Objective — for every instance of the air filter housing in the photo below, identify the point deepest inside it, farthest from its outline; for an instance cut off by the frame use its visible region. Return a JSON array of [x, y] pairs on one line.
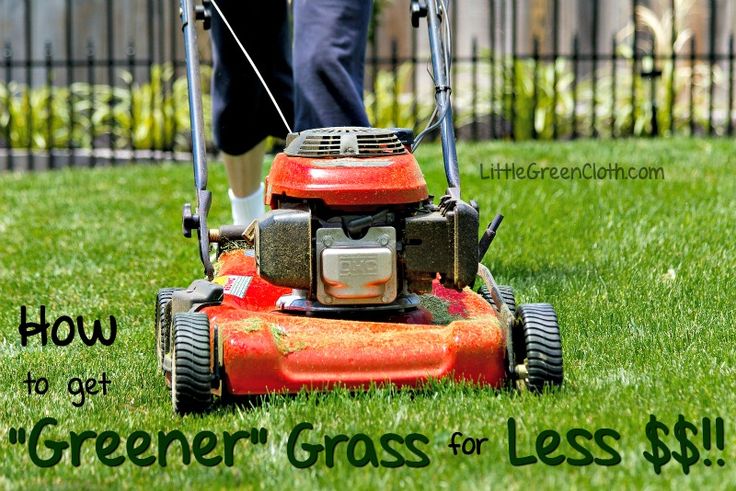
[[344, 142], [346, 168]]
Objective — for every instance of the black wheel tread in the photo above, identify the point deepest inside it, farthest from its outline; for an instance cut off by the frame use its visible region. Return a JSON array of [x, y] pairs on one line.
[[507, 293], [542, 348], [191, 375], [163, 323]]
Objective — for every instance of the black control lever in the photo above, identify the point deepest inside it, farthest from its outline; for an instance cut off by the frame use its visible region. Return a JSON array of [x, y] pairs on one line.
[[189, 221], [204, 13], [418, 10], [488, 236]]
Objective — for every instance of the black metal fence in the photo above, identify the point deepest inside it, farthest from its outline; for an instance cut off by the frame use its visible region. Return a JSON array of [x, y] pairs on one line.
[[123, 97]]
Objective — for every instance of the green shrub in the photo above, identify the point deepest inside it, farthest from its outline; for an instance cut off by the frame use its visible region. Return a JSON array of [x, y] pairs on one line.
[[155, 114], [150, 115]]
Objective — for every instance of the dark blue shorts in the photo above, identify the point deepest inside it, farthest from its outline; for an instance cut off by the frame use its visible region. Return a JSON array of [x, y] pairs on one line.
[[323, 87]]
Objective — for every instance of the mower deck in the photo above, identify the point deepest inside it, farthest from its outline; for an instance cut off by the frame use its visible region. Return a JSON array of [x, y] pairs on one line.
[[261, 349]]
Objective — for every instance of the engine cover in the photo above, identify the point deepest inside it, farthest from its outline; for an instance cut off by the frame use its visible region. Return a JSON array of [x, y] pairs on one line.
[[347, 169], [361, 271]]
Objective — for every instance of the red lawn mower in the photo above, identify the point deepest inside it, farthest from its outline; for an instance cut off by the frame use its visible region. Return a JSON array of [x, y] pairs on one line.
[[355, 276]]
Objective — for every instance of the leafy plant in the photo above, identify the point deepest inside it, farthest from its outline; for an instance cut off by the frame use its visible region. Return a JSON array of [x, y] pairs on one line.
[[392, 104], [153, 115]]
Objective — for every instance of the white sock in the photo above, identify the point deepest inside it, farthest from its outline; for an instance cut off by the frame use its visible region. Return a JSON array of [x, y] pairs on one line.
[[248, 208]]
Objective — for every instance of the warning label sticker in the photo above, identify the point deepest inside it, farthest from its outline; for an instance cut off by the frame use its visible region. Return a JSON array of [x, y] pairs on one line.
[[234, 285]]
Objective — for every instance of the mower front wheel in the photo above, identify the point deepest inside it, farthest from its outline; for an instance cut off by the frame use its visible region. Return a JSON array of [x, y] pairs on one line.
[[163, 323], [538, 347], [191, 376]]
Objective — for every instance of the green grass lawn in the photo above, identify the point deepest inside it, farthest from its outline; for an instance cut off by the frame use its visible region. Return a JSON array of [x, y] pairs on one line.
[[641, 273]]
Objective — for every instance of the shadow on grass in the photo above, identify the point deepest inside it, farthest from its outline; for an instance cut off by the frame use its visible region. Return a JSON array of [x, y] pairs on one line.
[[431, 389]]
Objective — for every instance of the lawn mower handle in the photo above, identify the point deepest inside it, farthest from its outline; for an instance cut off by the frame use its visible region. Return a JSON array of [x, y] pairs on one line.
[[420, 8], [189, 13]]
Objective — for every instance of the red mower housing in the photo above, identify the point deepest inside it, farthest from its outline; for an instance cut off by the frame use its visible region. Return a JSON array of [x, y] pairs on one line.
[[349, 184], [260, 349]]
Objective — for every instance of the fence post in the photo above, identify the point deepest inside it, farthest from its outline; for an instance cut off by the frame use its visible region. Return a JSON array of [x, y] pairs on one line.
[[8, 55], [395, 75], [514, 60], [149, 65], [91, 83], [730, 85], [594, 70], [111, 78], [492, 65], [49, 105], [28, 27], [634, 58], [614, 82], [504, 89], [555, 54], [535, 97], [70, 77], [673, 62], [131, 94], [692, 86], [474, 70], [575, 73], [712, 62], [164, 144], [654, 73], [174, 23], [414, 61]]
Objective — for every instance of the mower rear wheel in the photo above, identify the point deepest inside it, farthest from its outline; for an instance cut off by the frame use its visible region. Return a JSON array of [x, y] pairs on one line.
[[163, 323], [191, 377], [507, 294], [538, 347]]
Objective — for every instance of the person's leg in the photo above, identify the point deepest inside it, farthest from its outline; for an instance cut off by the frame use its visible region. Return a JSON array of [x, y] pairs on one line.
[[330, 38], [244, 171], [246, 190], [243, 114]]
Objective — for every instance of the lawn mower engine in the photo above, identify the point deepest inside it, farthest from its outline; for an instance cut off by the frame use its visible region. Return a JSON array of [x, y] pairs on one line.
[[352, 227]]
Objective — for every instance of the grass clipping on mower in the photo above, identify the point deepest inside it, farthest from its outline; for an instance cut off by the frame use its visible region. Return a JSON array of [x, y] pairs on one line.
[[439, 308]]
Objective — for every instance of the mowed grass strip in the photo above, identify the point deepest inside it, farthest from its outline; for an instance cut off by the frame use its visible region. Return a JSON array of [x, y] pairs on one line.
[[641, 273]]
